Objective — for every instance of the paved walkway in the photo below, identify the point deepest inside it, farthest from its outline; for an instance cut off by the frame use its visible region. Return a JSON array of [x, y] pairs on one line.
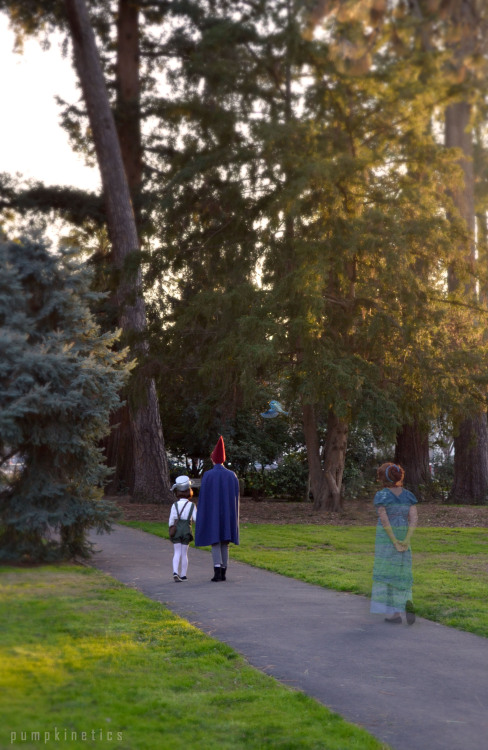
[[423, 687]]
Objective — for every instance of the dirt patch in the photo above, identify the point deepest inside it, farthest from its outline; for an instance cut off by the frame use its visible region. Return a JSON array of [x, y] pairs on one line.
[[356, 513]]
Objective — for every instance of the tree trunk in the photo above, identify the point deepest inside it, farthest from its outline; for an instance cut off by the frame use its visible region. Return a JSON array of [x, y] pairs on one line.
[[119, 443], [458, 135], [128, 108], [119, 452], [471, 442], [316, 475], [412, 453], [325, 477], [335, 459], [471, 450], [151, 476]]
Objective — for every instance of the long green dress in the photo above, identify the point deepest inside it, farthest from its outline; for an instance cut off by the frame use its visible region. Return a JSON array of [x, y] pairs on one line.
[[392, 572]]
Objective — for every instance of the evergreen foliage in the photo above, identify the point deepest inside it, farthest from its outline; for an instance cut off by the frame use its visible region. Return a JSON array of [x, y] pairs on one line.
[[59, 381], [297, 207], [303, 212], [75, 206]]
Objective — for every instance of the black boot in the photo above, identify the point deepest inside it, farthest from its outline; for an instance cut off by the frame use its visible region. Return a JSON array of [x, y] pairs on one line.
[[222, 574], [217, 574]]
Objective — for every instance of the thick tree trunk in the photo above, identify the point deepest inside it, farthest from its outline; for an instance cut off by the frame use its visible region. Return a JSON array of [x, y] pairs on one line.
[[151, 476], [128, 109], [325, 476], [119, 452], [458, 135], [318, 485], [412, 453], [471, 442], [335, 459], [471, 450], [119, 443]]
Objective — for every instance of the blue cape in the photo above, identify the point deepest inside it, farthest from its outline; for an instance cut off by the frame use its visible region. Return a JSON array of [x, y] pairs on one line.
[[218, 508]]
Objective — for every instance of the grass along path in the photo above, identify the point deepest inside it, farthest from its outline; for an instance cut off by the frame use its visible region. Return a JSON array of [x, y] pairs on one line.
[[87, 662], [450, 566]]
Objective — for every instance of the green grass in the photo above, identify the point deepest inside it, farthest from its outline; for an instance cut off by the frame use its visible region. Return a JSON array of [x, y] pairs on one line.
[[450, 566], [82, 653]]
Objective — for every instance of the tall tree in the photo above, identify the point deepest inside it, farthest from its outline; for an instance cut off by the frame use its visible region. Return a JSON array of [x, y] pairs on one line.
[[128, 96], [136, 449], [322, 150], [459, 27], [471, 438], [151, 477], [119, 443]]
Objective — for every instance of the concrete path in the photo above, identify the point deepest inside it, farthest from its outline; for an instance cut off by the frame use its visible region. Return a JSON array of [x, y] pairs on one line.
[[423, 687]]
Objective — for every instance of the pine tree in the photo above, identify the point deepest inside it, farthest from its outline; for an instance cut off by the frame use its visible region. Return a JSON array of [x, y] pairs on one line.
[[59, 381]]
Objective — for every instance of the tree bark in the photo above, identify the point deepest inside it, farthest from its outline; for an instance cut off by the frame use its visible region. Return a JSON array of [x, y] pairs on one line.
[[471, 462], [335, 459], [458, 135], [151, 476], [316, 475], [325, 476], [128, 106], [119, 443], [119, 452], [471, 441], [412, 453]]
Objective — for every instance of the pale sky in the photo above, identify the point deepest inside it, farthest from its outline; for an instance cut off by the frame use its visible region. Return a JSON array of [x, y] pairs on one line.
[[31, 140]]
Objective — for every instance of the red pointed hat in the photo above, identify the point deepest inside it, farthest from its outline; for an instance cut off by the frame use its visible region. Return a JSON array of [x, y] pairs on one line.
[[218, 453]]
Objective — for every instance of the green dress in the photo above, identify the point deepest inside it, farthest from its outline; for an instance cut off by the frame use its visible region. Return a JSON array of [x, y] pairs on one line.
[[392, 572]]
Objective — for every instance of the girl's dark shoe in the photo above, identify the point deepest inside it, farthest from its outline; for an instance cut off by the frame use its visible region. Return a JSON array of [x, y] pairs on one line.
[[222, 574], [183, 578], [176, 578], [394, 620], [410, 612], [217, 574]]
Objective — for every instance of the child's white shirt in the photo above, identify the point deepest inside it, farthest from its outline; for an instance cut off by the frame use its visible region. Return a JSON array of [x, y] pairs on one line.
[[173, 516]]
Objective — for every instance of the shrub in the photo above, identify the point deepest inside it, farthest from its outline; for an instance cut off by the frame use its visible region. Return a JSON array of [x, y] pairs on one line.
[[289, 480]]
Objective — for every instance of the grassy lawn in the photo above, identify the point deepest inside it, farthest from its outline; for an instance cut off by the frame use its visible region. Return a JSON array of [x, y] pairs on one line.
[[82, 653], [450, 566]]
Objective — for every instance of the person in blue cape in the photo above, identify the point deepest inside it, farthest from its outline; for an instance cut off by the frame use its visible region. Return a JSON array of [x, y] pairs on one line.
[[218, 511]]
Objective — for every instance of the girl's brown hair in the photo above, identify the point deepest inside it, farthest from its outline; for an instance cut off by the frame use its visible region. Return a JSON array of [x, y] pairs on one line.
[[390, 475], [187, 494]]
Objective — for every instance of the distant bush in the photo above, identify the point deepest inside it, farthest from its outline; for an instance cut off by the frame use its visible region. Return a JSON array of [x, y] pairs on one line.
[[442, 478], [362, 460], [289, 480]]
